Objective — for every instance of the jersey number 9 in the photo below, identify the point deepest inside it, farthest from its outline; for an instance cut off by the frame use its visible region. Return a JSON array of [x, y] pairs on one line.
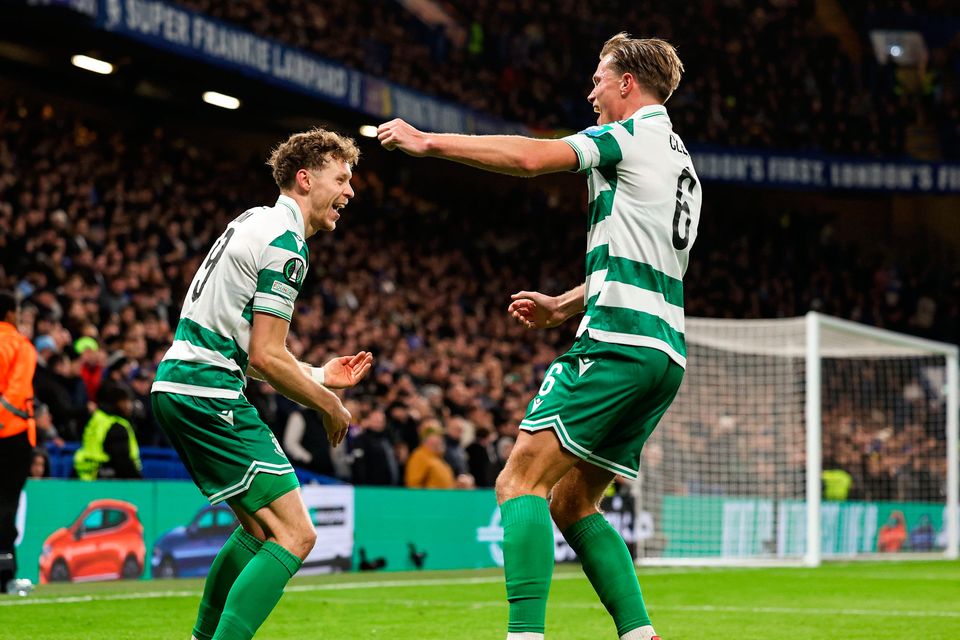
[[216, 252]]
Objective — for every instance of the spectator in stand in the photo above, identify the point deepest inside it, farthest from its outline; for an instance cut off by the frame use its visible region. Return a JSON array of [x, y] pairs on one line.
[[306, 444], [522, 61], [149, 433], [374, 459], [426, 468], [109, 448], [92, 362], [40, 463], [64, 394], [483, 463], [393, 268], [46, 431], [453, 451]]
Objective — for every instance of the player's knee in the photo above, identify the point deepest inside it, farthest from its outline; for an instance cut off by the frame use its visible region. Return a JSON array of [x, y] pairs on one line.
[[566, 509], [298, 538], [511, 484], [308, 539], [302, 541], [505, 487]]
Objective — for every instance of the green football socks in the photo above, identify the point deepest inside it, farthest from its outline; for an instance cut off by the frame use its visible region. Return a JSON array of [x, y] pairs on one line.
[[527, 561], [256, 592], [607, 563], [237, 551]]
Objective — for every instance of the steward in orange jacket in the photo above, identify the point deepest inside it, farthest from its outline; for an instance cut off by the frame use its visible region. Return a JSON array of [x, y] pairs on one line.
[[18, 431]]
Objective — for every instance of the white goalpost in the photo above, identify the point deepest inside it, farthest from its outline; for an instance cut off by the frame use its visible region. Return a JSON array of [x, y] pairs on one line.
[[802, 439]]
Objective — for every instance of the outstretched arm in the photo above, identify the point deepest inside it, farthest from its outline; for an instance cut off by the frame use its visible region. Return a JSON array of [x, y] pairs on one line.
[[339, 373], [513, 155], [535, 310], [270, 358]]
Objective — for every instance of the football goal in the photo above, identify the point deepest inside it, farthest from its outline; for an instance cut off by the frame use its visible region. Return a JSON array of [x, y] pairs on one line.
[[802, 439]]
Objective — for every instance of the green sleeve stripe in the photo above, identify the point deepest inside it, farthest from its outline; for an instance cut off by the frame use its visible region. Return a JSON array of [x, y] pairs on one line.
[[576, 149], [609, 148], [267, 277], [200, 336]]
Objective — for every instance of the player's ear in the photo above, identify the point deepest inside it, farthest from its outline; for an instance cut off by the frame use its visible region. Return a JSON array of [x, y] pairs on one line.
[[304, 179]]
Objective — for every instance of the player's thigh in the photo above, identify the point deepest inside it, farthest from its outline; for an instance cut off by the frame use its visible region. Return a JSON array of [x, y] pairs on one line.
[[624, 443], [578, 493], [229, 451], [588, 397], [534, 466], [288, 522], [249, 523]]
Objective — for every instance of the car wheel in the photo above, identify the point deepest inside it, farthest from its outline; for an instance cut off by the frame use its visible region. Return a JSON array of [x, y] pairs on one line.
[[59, 572], [166, 569], [131, 568]]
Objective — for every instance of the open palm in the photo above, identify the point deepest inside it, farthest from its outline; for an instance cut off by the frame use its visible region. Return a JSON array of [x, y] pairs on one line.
[[346, 371]]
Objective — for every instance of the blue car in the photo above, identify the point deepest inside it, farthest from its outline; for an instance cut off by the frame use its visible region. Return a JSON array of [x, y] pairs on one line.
[[188, 552]]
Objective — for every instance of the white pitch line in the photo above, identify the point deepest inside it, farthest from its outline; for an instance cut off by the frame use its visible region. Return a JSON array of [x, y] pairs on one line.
[[296, 588], [477, 604], [307, 588]]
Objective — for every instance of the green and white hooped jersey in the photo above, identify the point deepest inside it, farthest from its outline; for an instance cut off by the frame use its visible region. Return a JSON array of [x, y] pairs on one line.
[[644, 207], [257, 265]]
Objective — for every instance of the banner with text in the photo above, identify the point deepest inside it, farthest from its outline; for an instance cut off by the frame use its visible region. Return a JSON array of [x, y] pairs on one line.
[[823, 172], [184, 32]]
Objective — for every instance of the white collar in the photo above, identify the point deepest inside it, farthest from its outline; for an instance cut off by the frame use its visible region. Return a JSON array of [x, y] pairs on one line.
[[294, 209]]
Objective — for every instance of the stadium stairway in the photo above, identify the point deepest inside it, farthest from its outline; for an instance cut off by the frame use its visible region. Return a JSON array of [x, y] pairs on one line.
[[835, 21]]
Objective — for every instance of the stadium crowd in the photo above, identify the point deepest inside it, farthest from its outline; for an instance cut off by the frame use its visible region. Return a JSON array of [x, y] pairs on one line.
[[531, 62], [103, 226]]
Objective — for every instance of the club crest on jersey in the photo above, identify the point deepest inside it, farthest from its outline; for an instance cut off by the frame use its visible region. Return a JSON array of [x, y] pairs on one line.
[[293, 270]]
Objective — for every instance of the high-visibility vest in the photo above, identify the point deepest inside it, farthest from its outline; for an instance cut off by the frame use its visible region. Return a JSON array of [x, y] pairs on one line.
[[18, 361], [90, 455]]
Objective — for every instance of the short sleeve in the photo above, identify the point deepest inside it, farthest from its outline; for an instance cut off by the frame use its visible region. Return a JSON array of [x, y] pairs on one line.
[[596, 147], [283, 267]]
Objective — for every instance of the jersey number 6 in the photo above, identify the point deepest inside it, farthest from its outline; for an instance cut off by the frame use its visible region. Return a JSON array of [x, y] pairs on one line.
[[549, 380], [680, 242]]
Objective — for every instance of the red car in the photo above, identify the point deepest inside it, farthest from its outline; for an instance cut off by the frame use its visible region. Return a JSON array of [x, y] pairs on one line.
[[104, 543]]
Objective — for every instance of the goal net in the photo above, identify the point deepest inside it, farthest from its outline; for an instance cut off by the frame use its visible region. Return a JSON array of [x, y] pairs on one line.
[[800, 439]]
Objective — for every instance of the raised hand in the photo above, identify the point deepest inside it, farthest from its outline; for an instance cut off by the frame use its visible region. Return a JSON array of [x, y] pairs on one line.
[[535, 310], [397, 134], [346, 371]]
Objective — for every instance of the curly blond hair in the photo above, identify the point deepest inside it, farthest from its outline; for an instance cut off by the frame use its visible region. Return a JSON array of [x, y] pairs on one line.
[[310, 150]]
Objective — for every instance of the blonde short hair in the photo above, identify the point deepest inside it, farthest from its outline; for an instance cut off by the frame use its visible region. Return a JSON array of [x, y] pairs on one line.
[[652, 62], [310, 150]]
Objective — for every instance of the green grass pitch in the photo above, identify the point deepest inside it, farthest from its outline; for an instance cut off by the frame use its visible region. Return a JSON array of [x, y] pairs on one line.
[[916, 600]]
